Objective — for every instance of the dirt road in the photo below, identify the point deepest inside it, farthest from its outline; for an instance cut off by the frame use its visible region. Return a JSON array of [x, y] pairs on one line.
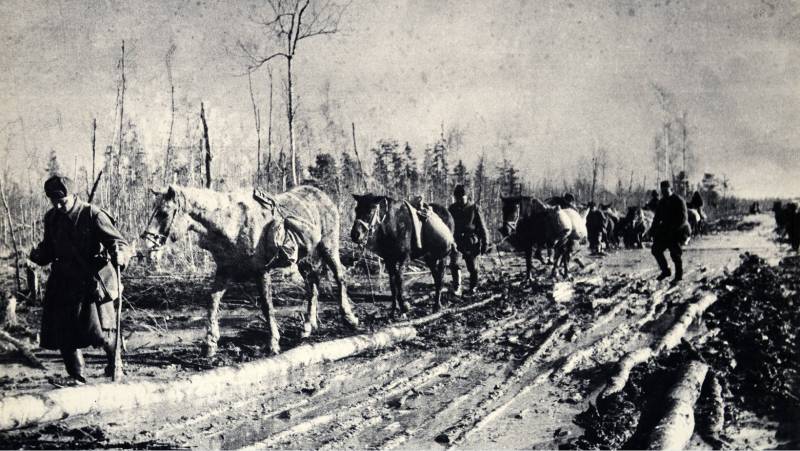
[[512, 374]]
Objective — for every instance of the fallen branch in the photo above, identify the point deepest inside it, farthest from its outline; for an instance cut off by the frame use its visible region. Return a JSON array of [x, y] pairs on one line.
[[677, 426], [29, 409], [23, 349], [448, 311]]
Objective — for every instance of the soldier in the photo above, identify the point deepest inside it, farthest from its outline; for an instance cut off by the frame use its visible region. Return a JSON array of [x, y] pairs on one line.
[[83, 246], [470, 235], [670, 231]]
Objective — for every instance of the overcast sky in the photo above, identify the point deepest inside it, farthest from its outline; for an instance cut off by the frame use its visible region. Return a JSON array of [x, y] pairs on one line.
[[553, 78]]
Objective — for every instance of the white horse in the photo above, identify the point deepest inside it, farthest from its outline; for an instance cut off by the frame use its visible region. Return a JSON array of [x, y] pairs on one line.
[[246, 240]]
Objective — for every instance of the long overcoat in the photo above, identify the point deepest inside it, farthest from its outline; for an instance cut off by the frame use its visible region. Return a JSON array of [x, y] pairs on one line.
[[79, 307]]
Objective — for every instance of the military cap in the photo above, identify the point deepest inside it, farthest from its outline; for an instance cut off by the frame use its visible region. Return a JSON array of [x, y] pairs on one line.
[[57, 187]]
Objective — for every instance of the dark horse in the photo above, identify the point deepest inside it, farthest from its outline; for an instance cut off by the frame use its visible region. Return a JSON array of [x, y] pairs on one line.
[[386, 226], [529, 223], [240, 233]]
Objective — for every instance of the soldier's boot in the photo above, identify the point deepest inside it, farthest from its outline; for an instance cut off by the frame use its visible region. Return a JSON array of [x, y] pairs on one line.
[[662, 264], [678, 270], [456, 273], [473, 282], [73, 361]]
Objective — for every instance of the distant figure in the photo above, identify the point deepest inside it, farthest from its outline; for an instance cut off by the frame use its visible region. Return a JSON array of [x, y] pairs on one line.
[[652, 204], [755, 208], [670, 231], [470, 235], [83, 246], [697, 217]]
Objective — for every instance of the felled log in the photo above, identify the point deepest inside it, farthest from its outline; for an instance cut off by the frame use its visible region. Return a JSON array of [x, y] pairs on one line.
[[693, 311], [23, 349], [24, 410], [676, 427], [624, 367]]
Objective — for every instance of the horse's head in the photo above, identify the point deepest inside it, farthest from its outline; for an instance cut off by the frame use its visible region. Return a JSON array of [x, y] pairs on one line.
[[512, 210], [369, 211], [168, 220]]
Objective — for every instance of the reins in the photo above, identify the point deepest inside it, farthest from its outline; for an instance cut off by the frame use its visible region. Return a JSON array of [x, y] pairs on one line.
[[157, 239]]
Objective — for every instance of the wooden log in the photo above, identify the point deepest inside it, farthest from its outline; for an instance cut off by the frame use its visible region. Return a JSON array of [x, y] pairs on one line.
[[23, 349], [24, 410], [676, 427], [693, 311], [624, 367]]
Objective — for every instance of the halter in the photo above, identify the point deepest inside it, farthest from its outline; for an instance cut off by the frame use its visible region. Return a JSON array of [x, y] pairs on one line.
[[374, 221], [158, 239]]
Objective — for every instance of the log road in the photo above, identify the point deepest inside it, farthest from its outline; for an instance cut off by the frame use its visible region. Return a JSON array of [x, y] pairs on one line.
[[512, 373]]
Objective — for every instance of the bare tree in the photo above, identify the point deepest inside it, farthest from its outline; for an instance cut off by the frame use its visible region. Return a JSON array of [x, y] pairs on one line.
[[257, 118], [290, 22], [167, 163]]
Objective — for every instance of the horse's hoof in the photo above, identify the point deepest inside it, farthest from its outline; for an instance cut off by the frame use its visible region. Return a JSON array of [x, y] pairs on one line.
[[208, 350], [307, 328], [350, 320]]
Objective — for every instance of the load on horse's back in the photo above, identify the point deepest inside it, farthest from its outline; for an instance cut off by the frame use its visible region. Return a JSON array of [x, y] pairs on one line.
[[248, 235], [395, 231], [530, 223]]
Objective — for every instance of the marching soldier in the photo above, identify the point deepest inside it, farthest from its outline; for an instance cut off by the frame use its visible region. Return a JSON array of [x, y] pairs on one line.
[[670, 231], [470, 236], [83, 246]]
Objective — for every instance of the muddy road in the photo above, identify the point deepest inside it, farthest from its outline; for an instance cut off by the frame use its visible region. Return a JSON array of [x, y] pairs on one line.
[[513, 373]]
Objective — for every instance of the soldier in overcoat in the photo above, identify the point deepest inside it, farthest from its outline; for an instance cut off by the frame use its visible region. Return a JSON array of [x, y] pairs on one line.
[[670, 231], [470, 236], [83, 247]]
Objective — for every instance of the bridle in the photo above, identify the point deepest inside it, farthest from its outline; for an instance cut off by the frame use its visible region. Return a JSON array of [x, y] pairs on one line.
[[374, 221], [157, 239]]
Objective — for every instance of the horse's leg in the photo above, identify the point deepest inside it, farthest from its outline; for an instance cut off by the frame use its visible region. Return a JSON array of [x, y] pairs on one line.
[[209, 348], [265, 302], [390, 270], [331, 258], [436, 265], [557, 252], [311, 279], [529, 264], [405, 306]]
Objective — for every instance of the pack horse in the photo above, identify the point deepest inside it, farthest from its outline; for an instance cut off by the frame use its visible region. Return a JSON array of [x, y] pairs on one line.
[[250, 234]]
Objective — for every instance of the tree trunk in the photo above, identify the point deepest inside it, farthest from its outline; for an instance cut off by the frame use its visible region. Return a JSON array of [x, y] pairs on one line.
[[13, 236], [290, 116], [207, 145], [219, 383], [269, 134], [168, 158], [675, 429]]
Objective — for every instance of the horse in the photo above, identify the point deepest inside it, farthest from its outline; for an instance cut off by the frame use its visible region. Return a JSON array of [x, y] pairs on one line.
[[696, 216], [695, 219], [529, 223], [247, 240], [635, 226], [600, 224], [386, 226]]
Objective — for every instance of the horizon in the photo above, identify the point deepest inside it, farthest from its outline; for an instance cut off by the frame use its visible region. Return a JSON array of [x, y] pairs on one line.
[[543, 83]]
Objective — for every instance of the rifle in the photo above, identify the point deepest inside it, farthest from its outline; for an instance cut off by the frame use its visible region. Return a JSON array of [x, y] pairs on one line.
[[117, 375]]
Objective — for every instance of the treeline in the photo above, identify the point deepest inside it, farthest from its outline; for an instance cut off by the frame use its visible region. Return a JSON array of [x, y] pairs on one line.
[[389, 168]]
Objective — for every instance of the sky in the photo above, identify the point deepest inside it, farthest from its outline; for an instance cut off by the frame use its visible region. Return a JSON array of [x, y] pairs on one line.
[[544, 81]]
